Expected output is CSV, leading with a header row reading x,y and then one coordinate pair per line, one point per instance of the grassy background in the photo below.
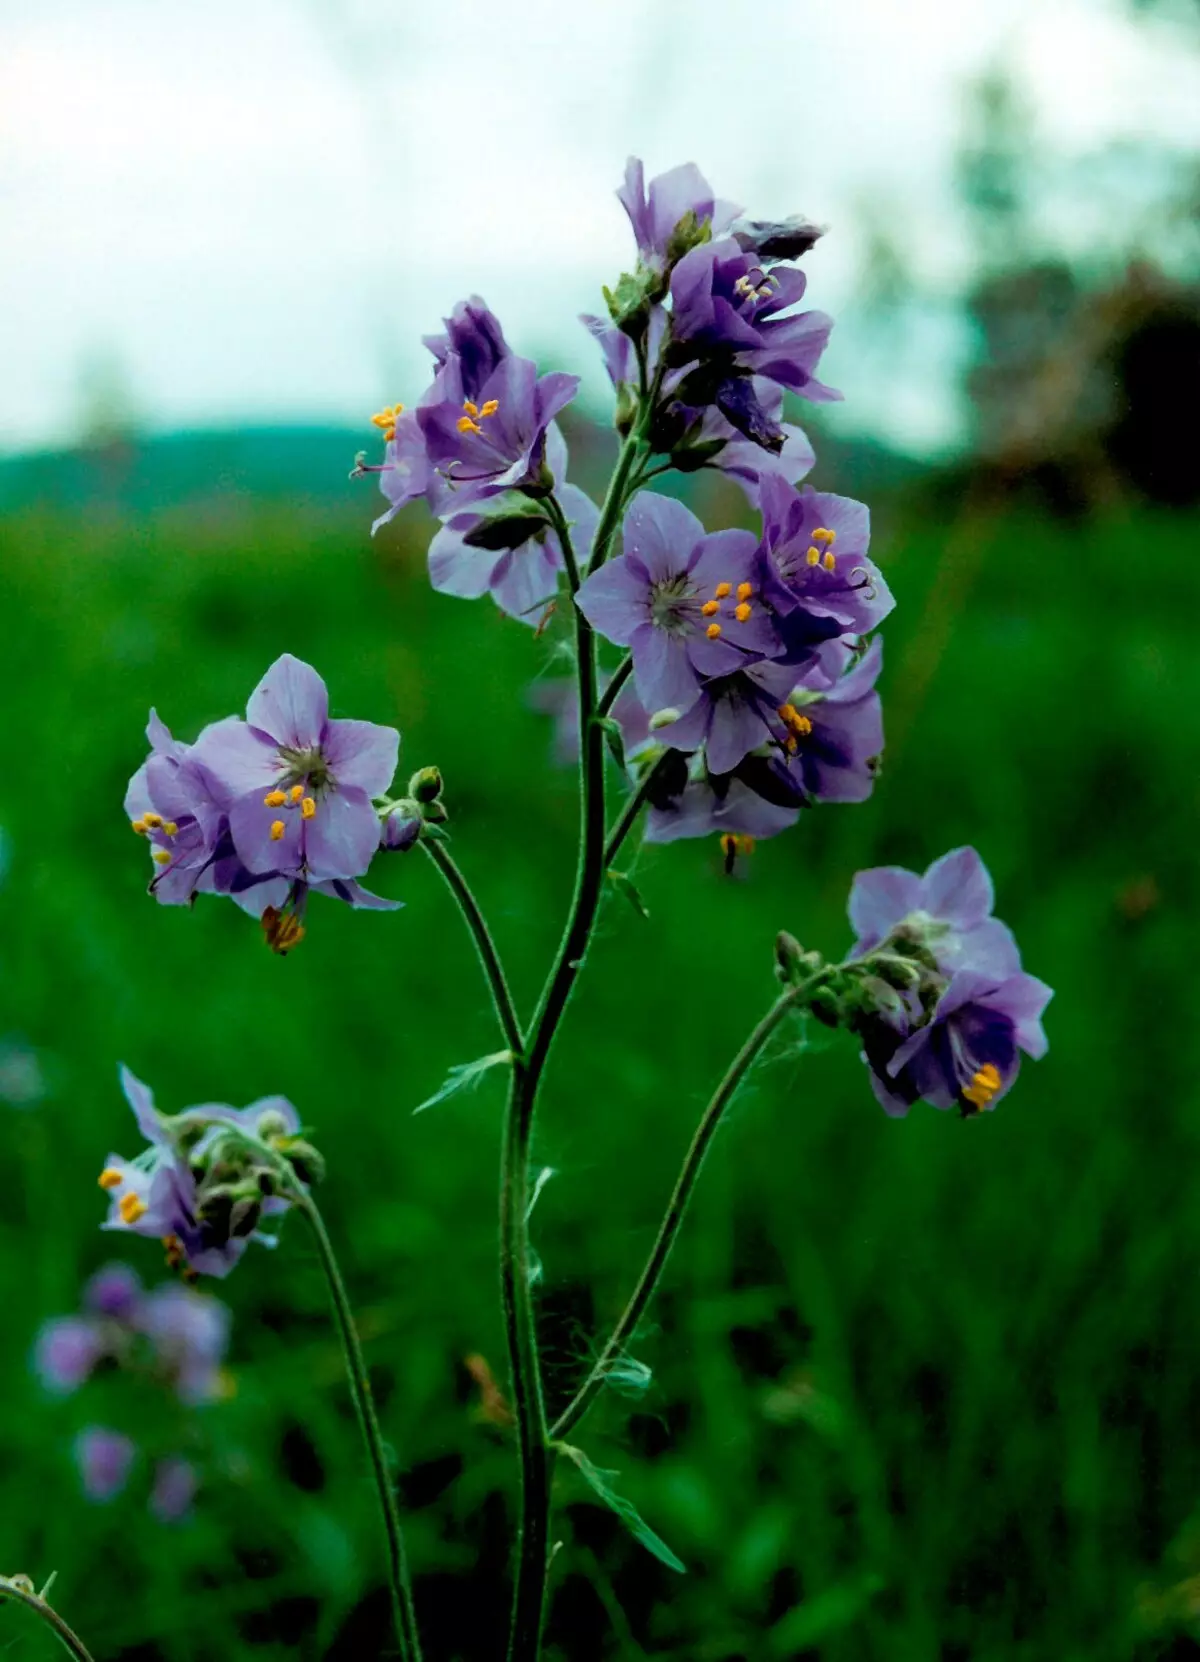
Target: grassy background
x,y
925,1389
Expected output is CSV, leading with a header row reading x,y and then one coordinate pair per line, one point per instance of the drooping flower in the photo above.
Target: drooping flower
x,y
299,785
718,805
201,1191
684,601
733,714
678,211
104,1459
815,566
956,1041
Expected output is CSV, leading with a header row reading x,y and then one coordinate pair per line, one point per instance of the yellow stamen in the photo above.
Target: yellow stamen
x,y
169,827
813,556
152,820
723,590
713,630
308,807
466,425
386,418
471,409
139,825
741,612
490,408
745,590
277,830
131,1207
734,843
983,1087
282,930
822,535
162,856
828,560
110,1178
274,799
710,608
297,792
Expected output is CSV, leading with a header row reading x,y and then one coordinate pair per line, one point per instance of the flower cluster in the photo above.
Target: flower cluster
x,y
171,1335
209,1179
268,809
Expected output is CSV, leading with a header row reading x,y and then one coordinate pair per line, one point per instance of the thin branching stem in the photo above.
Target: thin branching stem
x,y
485,946
11,1588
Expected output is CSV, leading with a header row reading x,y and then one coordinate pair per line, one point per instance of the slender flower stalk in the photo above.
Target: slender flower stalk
x,y
21,1589
360,1388
668,1230
609,696
485,946
629,813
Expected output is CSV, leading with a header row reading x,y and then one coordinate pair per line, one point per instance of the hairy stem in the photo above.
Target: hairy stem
x,y
609,696
360,1389
629,813
668,1230
10,1588
485,946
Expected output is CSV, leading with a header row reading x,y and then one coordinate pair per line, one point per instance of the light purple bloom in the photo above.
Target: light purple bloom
x,y
678,209
299,784
711,806
68,1349
104,1459
733,715
115,1291
835,736
189,1332
686,603
966,1051
815,570
174,1489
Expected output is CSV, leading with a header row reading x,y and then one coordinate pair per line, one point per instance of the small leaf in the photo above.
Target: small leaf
x,y
626,887
614,738
465,1077
628,1377
625,1509
539,1183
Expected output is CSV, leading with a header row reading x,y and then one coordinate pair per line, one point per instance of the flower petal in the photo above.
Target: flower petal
x,y
290,704
361,753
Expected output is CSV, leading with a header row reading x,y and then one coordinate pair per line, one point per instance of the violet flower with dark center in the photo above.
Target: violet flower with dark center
x,y
686,603
957,1040
734,714
833,729
299,785
678,211
718,806
815,566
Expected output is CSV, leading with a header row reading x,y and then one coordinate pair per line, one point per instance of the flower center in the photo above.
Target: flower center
x,y
387,418
291,800
754,285
307,768
473,415
741,608
798,727
983,1087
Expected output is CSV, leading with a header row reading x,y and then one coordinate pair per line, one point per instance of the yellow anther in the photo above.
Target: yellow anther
x,y
297,791
710,608
152,820
386,419
466,425
983,1086
282,930
745,590
813,556
110,1178
169,828
471,409
713,630
723,590
490,408
139,825
277,830
162,856
131,1207
828,560
797,725
734,843
742,612
824,536
274,799
308,807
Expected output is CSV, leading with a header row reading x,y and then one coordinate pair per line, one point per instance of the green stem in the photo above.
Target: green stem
x,y
629,813
360,1390
485,946
609,696
676,1208
70,1640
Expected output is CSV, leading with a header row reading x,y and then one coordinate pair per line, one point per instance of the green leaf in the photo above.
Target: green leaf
x,y
817,1618
614,738
625,1509
626,887
465,1077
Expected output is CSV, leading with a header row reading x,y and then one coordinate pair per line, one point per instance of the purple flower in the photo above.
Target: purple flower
x,y
474,340
724,806
686,603
964,1050
776,239
814,566
204,1208
299,785
104,1459
174,1489
834,730
67,1350
677,211
189,1332
115,1291
734,714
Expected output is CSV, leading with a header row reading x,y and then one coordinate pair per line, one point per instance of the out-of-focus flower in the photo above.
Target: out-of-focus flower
x,y
559,699
22,1082
175,1483
104,1459
68,1349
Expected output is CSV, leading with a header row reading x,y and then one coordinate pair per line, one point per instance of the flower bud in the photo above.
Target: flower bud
x,y
271,1124
307,1162
400,828
425,785
826,1006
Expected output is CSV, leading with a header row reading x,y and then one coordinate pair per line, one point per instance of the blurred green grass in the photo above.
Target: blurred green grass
x,y
921,1390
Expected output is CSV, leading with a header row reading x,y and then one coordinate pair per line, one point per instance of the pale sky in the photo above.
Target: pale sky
x,y
256,207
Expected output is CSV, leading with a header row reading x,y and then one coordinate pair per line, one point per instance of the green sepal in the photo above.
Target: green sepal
x,y
466,1077
626,886
625,1509
614,738
431,833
